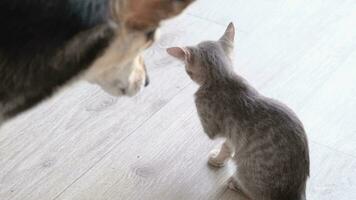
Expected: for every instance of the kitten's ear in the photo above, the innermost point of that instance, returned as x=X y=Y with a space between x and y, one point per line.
x=229 y=34
x=180 y=53
x=227 y=40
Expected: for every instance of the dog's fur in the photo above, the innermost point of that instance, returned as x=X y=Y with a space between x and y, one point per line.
x=46 y=44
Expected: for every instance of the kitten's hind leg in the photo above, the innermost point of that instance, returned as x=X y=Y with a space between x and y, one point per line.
x=219 y=158
x=235 y=185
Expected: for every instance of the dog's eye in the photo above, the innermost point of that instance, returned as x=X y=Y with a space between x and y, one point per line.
x=150 y=35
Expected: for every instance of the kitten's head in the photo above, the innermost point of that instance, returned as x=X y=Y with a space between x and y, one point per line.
x=209 y=60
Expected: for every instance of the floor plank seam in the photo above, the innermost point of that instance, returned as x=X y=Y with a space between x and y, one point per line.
x=119 y=142
x=205 y=19
x=211 y=21
x=333 y=149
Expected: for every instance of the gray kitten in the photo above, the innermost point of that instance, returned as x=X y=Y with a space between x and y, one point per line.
x=263 y=136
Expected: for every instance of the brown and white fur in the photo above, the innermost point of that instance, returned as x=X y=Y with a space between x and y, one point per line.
x=121 y=70
x=44 y=45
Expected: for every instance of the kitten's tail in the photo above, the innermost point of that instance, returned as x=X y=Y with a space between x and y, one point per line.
x=303 y=196
x=299 y=196
x=293 y=198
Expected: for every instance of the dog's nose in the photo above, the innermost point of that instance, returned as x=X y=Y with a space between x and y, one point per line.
x=147 y=81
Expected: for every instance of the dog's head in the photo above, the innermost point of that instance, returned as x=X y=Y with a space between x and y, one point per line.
x=121 y=69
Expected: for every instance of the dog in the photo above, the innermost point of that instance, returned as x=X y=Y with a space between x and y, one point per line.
x=45 y=45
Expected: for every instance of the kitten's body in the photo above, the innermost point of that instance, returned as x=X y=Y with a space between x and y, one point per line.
x=264 y=137
x=268 y=139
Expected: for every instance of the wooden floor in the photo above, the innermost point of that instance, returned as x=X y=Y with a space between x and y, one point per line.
x=86 y=145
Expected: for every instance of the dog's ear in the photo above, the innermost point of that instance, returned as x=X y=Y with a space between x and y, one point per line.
x=147 y=14
x=181 y=53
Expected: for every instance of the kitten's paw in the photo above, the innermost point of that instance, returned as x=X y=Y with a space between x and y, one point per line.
x=233 y=185
x=215 y=160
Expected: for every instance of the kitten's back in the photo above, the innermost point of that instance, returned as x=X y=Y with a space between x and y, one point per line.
x=271 y=141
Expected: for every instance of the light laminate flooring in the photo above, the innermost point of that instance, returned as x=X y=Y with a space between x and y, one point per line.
x=86 y=145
